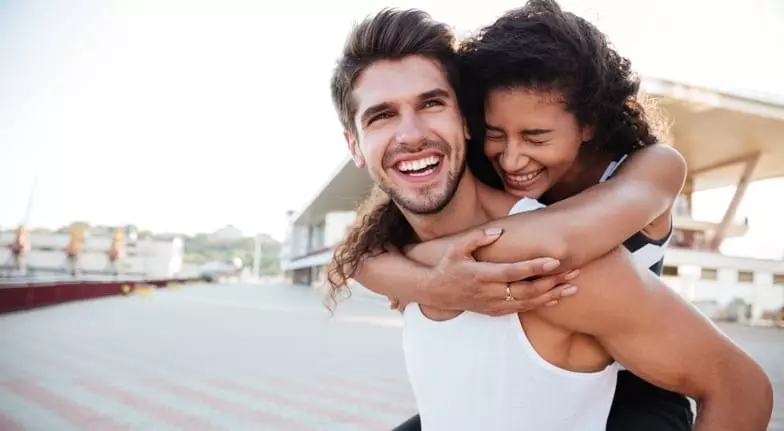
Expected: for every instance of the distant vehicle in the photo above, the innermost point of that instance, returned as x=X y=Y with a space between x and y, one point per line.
x=221 y=270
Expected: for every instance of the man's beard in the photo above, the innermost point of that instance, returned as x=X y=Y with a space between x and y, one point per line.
x=433 y=204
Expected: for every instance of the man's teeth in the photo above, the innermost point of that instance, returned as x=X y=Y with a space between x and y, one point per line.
x=416 y=165
x=526 y=177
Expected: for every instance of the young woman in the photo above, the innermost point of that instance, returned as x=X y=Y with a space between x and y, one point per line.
x=555 y=116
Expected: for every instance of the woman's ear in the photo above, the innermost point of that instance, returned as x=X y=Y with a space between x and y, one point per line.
x=586 y=133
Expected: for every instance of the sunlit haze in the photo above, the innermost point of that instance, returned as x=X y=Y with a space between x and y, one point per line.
x=186 y=116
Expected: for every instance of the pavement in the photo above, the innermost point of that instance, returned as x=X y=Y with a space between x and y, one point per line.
x=232 y=357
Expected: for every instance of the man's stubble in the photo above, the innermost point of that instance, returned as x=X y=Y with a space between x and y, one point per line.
x=427 y=204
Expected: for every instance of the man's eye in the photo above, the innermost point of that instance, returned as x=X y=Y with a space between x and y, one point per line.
x=494 y=136
x=382 y=116
x=432 y=103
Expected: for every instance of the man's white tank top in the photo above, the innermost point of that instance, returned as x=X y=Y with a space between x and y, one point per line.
x=476 y=372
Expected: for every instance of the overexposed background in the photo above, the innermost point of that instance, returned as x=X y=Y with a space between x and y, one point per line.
x=171 y=104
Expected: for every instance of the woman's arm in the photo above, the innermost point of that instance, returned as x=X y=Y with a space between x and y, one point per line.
x=452 y=279
x=574 y=231
x=584 y=227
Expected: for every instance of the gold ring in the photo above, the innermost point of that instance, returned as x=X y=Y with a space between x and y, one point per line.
x=509 y=296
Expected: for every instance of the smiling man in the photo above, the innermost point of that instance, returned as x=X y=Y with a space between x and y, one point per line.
x=553 y=368
x=424 y=165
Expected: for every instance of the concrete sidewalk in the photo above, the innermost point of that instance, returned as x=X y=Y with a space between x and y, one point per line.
x=231 y=357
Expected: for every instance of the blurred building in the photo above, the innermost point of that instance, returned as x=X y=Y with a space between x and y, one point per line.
x=314 y=231
x=148 y=257
x=727 y=139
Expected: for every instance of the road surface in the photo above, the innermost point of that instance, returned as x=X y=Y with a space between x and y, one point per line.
x=230 y=357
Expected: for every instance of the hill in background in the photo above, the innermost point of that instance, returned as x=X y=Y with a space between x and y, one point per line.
x=202 y=248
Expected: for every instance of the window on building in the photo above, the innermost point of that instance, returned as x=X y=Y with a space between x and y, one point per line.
x=670 y=271
x=709 y=274
x=745 y=276
x=778 y=279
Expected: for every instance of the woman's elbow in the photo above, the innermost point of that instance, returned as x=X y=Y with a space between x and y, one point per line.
x=559 y=249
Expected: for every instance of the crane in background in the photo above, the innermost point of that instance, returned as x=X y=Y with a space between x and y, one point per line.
x=73 y=250
x=21 y=244
x=19 y=249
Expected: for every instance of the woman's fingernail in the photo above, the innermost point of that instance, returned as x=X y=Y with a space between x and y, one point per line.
x=493 y=231
x=551 y=264
x=569 y=290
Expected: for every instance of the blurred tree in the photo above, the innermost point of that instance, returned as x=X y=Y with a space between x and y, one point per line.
x=201 y=248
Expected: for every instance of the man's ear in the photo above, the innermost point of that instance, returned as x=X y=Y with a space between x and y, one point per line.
x=466 y=132
x=353 y=148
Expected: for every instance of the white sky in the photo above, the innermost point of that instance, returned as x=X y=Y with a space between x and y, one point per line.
x=186 y=115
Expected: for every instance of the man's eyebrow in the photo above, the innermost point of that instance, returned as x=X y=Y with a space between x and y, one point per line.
x=436 y=92
x=384 y=106
x=375 y=109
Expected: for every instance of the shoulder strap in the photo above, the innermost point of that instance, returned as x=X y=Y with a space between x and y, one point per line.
x=611 y=168
x=525 y=205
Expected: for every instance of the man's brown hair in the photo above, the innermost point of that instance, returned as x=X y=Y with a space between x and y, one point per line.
x=392 y=34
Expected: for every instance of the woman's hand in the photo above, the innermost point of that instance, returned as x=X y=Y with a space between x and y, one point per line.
x=459 y=282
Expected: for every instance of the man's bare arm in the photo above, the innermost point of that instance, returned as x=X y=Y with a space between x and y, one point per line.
x=383 y=274
x=648 y=328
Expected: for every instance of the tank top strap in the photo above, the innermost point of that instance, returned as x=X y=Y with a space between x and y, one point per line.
x=611 y=168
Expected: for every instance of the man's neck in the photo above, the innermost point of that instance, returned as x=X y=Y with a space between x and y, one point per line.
x=465 y=210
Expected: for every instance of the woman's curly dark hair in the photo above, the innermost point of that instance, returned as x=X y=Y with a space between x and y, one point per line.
x=542 y=48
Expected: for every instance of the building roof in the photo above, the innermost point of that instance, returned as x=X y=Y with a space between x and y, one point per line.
x=716 y=131
x=341 y=192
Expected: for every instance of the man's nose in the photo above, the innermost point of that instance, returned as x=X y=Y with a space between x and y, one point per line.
x=410 y=131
